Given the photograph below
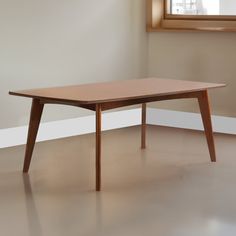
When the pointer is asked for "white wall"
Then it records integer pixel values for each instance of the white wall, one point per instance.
(198, 56)
(227, 7)
(48, 42)
(60, 42)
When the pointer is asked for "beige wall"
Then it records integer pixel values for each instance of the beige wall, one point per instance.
(52, 43)
(199, 56)
(47, 43)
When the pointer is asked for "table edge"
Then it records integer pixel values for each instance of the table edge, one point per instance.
(90, 102)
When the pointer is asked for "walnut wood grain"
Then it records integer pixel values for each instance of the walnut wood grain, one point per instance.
(109, 95)
(143, 126)
(116, 90)
(98, 146)
(206, 118)
(117, 104)
(91, 107)
(35, 117)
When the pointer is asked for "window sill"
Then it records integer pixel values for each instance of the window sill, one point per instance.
(149, 29)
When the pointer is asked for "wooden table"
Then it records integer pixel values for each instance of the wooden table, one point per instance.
(99, 97)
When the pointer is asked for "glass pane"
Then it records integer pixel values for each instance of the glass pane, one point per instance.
(202, 7)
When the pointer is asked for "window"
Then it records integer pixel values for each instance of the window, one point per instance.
(211, 15)
(185, 7)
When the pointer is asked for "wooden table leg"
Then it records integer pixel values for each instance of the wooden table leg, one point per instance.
(35, 117)
(143, 126)
(98, 146)
(206, 118)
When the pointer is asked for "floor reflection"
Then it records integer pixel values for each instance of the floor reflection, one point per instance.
(34, 225)
(158, 191)
(99, 217)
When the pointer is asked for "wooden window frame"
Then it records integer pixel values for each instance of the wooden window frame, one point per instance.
(159, 20)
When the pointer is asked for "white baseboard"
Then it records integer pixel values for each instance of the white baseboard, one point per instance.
(70, 127)
(188, 120)
(113, 120)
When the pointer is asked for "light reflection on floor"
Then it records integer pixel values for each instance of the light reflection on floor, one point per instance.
(171, 188)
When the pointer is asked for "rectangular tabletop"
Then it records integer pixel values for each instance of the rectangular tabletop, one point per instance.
(116, 90)
(103, 96)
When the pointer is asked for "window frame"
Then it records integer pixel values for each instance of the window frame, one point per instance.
(159, 20)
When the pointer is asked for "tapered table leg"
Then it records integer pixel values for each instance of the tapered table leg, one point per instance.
(35, 117)
(206, 118)
(98, 146)
(143, 126)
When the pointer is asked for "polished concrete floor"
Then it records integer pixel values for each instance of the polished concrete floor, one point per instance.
(169, 189)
